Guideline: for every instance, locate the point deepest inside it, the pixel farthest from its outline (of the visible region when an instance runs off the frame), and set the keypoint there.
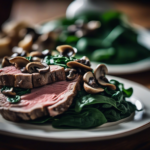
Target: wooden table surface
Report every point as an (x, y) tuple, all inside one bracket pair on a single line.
[(138, 141)]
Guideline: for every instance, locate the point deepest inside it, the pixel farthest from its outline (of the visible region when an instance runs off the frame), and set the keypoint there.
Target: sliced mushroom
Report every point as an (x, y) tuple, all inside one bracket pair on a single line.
[(37, 67), (26, 43), (36, 54), (100, 72), (90, 84), (5, 62), (45, 41), (40, 54), (19, 62), (9, 92), (90, 79), (84, 60), (92, 90), (29, 30), (75, 64), (66, 50), (71, 73)]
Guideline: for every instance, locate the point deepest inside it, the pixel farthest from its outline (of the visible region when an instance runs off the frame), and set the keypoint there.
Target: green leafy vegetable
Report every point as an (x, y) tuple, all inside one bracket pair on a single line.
[(113, 33), (18, 91), (127, 92), (41, 120), (88, 118), (93, 99), (29, 58), (58, 60), (15, 99), (92, 110)]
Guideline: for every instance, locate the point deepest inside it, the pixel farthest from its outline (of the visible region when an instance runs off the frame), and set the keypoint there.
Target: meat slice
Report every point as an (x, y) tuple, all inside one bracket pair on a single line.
[(10, 76), (56, 73), (51, 100)]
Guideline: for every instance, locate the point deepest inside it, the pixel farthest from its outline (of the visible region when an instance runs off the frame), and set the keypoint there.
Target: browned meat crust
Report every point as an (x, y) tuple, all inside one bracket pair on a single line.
[(29, 81), (13, 115)]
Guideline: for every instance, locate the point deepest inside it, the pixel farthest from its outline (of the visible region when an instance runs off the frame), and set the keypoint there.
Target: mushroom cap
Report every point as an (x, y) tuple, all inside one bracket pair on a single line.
[(92, 90), (87, 76), (102, 82), (69, 77), (100, 72), (85, 57), (5, 62), (9, 92), (36, 54), (19, 61), (26, 43), (74, 64), (66, 50), (37, 67)]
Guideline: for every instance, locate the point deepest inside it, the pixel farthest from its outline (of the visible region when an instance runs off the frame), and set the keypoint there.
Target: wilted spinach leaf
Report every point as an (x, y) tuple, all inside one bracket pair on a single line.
[(15, 99), (29, 58), (127, 92), (93, 99), (88, 118), (58, 60), (41, 120), (18, 91)]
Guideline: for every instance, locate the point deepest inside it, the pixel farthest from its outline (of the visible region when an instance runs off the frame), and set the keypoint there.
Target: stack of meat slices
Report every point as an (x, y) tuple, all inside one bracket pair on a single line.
[(51, 96)]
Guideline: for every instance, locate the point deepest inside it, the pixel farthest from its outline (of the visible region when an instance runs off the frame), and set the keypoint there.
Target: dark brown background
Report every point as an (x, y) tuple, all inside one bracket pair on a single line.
[(37, 11)]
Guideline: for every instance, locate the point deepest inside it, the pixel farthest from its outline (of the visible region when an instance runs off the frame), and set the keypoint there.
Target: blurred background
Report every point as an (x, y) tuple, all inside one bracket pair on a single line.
[(36, 11), (110, 36)]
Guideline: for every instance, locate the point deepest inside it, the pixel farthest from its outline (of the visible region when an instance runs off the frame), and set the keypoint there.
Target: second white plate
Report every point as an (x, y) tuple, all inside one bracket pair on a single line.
[(135, 67)]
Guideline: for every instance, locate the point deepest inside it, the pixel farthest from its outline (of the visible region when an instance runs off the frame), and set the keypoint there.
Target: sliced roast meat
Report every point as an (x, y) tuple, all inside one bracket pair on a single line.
[(10, 76), (56, 73), (51, 100)]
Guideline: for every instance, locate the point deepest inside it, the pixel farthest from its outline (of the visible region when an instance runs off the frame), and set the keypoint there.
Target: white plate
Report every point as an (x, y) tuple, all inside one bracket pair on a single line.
[(46, 132), (135, 67)]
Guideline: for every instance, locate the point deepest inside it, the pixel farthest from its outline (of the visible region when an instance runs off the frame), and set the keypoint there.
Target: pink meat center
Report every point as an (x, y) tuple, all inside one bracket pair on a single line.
[(46, 95), (10, 70)]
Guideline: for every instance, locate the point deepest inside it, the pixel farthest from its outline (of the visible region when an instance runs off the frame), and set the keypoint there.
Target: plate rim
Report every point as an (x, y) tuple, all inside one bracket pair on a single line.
[(135, 67)]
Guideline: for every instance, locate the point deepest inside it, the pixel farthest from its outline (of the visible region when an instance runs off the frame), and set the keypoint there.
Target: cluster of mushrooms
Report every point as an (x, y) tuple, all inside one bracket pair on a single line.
[(22, 39), (93, 82), (25, 65)]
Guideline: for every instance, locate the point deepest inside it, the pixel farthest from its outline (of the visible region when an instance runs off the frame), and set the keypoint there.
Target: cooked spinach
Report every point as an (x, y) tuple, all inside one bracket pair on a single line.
[(41, 120), (18, 91), (29, 58), (15, 99), (58, 60), (92, 110), (93, 99), (88, 118), (113, 43)]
